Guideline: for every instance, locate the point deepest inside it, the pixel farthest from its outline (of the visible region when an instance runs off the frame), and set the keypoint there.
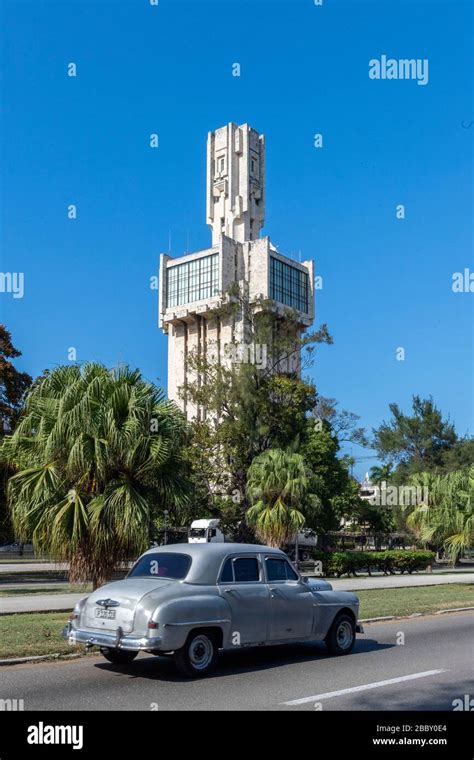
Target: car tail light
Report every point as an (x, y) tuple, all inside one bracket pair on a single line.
[(74, 616), (152, 624)]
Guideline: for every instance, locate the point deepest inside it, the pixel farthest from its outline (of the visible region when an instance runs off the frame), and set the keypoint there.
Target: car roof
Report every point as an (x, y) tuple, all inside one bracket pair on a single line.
[(219, 548), (207, 558)]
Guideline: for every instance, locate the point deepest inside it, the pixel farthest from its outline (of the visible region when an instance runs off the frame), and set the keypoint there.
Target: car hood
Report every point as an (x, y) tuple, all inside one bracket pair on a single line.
[(129, 599)]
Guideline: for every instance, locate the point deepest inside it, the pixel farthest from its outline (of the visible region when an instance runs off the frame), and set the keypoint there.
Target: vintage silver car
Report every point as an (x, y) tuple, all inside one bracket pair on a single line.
[(191, 600)]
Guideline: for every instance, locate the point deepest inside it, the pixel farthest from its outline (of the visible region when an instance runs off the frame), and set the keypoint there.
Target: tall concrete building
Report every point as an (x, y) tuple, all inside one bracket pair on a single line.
[(194, 285)]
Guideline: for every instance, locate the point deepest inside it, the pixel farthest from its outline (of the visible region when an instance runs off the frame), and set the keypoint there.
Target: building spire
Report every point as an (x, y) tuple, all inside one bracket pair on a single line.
[(235, 183)]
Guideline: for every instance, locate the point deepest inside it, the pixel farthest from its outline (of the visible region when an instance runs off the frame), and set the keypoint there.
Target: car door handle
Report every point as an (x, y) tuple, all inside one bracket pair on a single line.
[(228, 590), (275, 591)]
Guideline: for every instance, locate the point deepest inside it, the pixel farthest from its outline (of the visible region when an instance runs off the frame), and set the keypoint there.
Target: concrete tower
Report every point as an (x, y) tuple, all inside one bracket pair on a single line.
[(235, 183), (193, 286)]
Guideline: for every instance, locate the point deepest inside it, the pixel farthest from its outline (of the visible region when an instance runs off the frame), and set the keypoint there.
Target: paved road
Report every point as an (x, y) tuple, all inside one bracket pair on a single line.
[(31, 567), (434, 666), (38, 602), (50, 585), (46, 602)]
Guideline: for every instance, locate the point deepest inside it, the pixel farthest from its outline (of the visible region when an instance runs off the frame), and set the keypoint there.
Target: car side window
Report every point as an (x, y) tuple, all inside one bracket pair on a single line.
[(291, 575), (279, 570), (246, 570), (227, 575)]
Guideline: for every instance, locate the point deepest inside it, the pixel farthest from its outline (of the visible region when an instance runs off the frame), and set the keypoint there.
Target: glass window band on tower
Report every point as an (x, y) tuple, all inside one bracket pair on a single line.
[(288, 285), (192, 281)]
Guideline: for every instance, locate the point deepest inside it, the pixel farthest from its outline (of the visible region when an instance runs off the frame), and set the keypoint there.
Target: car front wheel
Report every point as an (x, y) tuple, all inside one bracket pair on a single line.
[(118, 656), (198, 657), (341, 637)]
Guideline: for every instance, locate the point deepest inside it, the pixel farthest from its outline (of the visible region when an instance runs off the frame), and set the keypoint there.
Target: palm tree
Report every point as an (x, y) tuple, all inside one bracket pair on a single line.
[(97, 454), (446, 517), (276, 484), (379, 474)]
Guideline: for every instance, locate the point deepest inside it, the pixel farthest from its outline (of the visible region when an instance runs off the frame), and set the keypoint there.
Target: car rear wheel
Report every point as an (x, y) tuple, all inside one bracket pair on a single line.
[(118, 656), (198, 657), (341, 637)]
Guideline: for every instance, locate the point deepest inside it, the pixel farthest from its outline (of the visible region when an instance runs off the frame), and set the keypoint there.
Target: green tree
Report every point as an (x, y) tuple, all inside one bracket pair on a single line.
[(460, 456), (98, 454), (13, 386), (446, 517), (333, 494), (343, 424), (245, 408), (277, 484), (381, 473), (415, 442)]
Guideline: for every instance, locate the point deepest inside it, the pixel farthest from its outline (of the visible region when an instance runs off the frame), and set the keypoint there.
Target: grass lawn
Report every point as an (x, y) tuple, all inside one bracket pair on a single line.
[(406, 601), (40, 633), (35, 634), (66, 589)]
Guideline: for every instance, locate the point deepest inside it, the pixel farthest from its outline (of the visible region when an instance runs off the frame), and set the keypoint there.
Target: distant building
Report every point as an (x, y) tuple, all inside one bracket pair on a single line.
[(367, 489), (194, 285)]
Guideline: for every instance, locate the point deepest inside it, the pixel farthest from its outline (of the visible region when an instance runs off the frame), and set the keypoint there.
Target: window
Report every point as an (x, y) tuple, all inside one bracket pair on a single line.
[(246, 570), (227, 575), (192, 281), (288, 285), (240, 570), (254, 166), (161, 565), (197, 533), (279, 570)]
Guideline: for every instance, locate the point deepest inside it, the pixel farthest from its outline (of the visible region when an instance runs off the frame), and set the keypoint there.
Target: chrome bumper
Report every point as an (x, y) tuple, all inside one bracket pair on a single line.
[(115, 640), (359, 628)]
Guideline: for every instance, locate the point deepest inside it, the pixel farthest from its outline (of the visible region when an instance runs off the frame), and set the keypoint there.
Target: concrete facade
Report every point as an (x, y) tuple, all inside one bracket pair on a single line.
[(193, 286), (235, 202)]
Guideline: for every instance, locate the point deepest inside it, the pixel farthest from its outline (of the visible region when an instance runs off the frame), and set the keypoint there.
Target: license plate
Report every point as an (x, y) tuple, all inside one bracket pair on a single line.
[(107, 614)]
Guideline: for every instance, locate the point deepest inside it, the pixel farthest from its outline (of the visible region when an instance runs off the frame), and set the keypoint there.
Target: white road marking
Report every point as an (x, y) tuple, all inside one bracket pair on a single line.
[(364, 687)]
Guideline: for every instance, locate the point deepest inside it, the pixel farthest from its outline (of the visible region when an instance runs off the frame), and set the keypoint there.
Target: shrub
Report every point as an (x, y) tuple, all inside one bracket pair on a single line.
[(388, 562), (412, 560)]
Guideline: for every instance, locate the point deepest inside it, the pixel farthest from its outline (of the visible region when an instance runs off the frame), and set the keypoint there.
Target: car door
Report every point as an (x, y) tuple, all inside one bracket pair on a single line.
[(292, 606), (242, 585)]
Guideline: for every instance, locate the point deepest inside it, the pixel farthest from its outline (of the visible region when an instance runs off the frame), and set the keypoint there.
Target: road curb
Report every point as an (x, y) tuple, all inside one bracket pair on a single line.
[(39, 658), (414, 615), (37, 612), (454, 609)]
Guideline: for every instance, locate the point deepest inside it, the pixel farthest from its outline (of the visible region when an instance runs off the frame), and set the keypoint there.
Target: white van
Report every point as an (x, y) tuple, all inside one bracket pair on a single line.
[(205, 532)]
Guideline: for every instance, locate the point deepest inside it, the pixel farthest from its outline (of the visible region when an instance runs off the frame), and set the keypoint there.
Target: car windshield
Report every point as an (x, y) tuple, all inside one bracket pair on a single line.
[(197, 532), (161, 565)]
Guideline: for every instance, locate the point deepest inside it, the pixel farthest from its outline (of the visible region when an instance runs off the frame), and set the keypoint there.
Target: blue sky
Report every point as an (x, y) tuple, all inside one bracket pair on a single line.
[(167, 69)]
